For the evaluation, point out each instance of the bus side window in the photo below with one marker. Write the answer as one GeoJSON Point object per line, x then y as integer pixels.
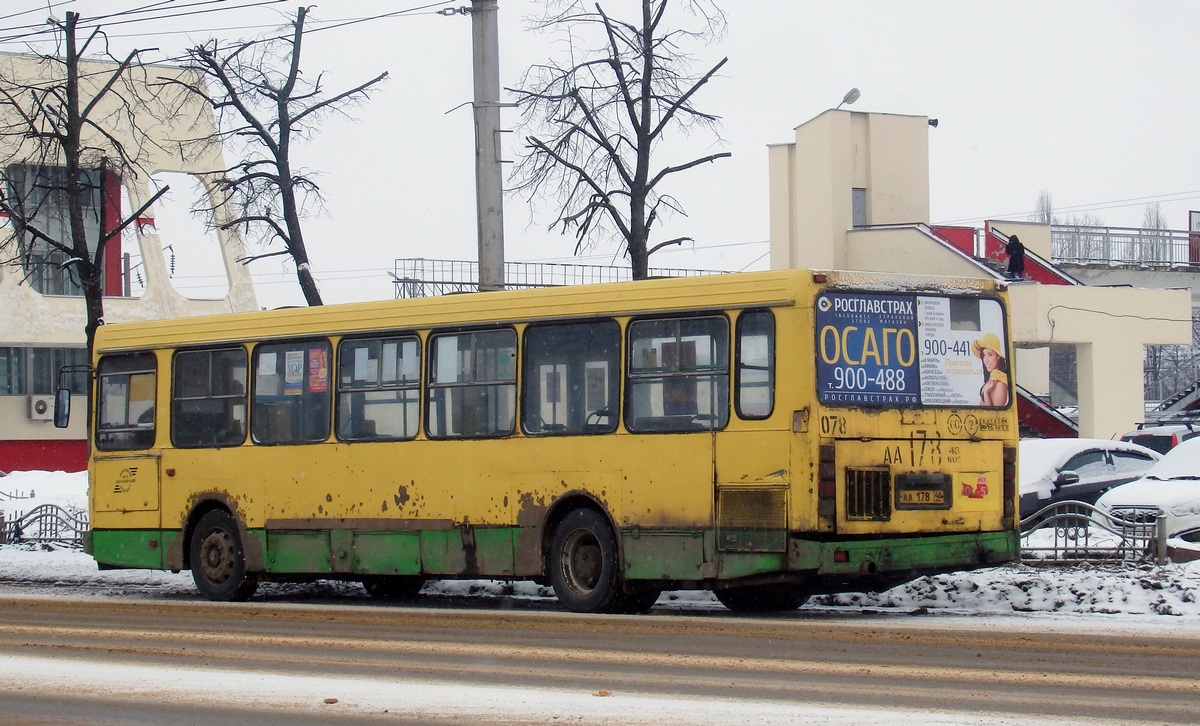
{"type": "Point", "coordinates": [678, 372]}
{"type": "Point", "coordinates": [291, 393]}
{"type": "Point", "coordinates": [379, 382]}
{"type": "Point", "coordinates": [569, 383]}
{"type": "Point", "coordinates": [208, 398]}
{"type": "Point", "coordinates": [472, 384]}
{"type": "Point", "coordinates": [755, 364]}
{"type": "Point", "coordinates": [125, 409]}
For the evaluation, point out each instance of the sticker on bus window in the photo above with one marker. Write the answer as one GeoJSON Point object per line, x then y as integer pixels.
{"type": "Point", "coordinates": [887, 350]}
{"type": "Point", "coordinates": [293, 373]}
{"type": "Point", "coordinates": [318, 370]}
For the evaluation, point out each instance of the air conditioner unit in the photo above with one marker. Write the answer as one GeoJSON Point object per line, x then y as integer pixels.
{"type": "Point", "coordinates": [41, 408]}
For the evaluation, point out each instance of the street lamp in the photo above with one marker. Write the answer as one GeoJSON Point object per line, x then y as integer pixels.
{"type": "Point", "coordinates": [850, 97]}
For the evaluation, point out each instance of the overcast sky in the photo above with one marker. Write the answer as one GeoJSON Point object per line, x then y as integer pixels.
{"type": "Point", "coordinates": [1096, 102]}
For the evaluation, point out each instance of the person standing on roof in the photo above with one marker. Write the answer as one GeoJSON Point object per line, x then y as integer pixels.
{"type": "Point", "coordinates": [1016, 258]}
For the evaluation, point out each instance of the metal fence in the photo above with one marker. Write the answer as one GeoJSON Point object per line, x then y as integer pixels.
{"type": "Point", "coordinates": [48, 523]}
{"type": "Point", "coordinates": [420, 277]}
{"type": "Point", "coordinates": [1115, 245]}
{"type": "Point", "coordinates": [1077, 532]}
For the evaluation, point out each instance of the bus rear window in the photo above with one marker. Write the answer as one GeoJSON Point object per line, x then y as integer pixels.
{"type": "Point", "coordinates": [911, 350]}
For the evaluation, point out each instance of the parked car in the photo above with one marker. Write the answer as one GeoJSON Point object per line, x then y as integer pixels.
{"type": "Point", "coordinates": [1162, 437]}
{"type": "Point", "coordinates": [1055, 470]}
{"type": "Point", "coordinates": [1170, 488]}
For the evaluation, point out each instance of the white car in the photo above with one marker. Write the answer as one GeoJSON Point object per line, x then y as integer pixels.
{"type": "Point", "coordinates": [1170, 488]}
{"type": "Point", "coordinates": [1055, 470]}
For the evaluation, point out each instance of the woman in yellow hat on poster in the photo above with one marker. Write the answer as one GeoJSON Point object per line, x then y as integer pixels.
{"type": "Point", "coordinates": [994, 391]}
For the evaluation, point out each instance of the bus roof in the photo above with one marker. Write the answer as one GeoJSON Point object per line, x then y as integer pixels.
{"type": "Point", "coordinates": [749, 289]}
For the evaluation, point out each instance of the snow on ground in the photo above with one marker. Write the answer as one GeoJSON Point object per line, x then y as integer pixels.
{"type": "Point", "coordinates": [1080, 600]}
{"type": "Point", "coordinates": [1140, 593]}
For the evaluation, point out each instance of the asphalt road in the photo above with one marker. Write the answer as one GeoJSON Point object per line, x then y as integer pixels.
{"type": "Point", "coordinates": [111, 661]}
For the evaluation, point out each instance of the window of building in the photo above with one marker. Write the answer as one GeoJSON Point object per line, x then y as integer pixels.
{"type": "Point", "coordinates": [472, 384]}
{"type": "Point", "coordinates": [571, 378]}
{"type": "Point", "coordinates": [35, 370]}
{"type": "Point", "coordinates": [208, 398]}
{"type": "Point", "coordinates": [39, 195]}
{"type": "Point", "coordinates": [755, 364]}
{"type": "Point", "coordinates": [12, 371]}
{"type": "Point", "coordinates": [379, 382]}
{"type": "Point", "coordinates": [125, 406]}
{"type": "Point", "coordinates": [678, 374]}
{"type": "Point", "coordinates": [858, 207]}
{"type": "Point", "coordinates": [45, 363]}
{"type": "Point", "coordinates": [291, 393]}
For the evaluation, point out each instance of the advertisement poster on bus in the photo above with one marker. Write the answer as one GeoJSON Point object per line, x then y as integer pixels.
{"type": "Point", "coordinates": [898, 350]}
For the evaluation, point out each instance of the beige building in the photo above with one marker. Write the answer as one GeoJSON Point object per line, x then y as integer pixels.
{"type": "Point", "coordinates": [41, 312]}
{"type": "Point", "coordinates": [852, 192]}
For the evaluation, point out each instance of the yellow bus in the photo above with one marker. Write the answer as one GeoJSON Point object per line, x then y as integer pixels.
{"type": "Point", "coordinates": [766, 436]}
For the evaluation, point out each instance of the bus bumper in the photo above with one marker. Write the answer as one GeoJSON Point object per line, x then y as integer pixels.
{"type": "Point", "coordinates": [901, 555]}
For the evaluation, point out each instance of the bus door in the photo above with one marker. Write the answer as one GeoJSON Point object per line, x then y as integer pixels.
{"type": "Point", "coordinates": [125, 475]}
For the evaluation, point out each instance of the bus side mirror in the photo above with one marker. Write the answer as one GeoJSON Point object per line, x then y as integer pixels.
{"type": "Point", "coordinates": [62, 407]}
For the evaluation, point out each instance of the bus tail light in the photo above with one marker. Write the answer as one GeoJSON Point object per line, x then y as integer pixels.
{"type": "Point", "coordinates": [826, 481]}
{"type": "Point", "coordinates": [1010, 481]}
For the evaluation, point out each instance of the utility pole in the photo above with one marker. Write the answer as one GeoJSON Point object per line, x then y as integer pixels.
{"type": "Point", "coordinates": [489, 177]}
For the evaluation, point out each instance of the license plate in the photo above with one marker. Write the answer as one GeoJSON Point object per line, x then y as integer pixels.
{"type": "Point", "coordinates": [922, 496]}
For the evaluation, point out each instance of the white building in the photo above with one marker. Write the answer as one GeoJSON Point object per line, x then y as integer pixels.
{"type": "Point", "coordinates": [41, 313]}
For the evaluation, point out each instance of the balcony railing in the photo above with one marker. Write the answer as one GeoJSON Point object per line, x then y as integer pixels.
{"type": "Point", "coordinates": [1124, 245]}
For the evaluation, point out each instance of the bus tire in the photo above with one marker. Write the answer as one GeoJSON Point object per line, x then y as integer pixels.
{"type": "Point", "coordinates": [218, 560]}
{"type": "Point", "coordinates": [583, 563]}
{"type": "Point", "coordinates": [762, 598]}
{"type": "Point", "coordinates": [393, 587]}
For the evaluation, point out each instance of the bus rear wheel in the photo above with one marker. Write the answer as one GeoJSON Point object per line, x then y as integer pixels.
{"type": "Point", "coordinates": [218, 561]}
{"type": "Point", "coordinates": [393, 587]}
{"type": "Point", "coordinates": [583, 563]}
{"type": "Point", "coordinates": [762, 598]}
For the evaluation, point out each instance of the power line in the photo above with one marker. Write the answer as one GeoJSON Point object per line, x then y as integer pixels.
{"type": "Point", "coordinates": [35, 10]}
{"type": "Point", "coordinates": [94, 23]}
{"type": "Point", "coordinates": [1092, 206]}
{"type": "Point", "coordinates": [317, 26]}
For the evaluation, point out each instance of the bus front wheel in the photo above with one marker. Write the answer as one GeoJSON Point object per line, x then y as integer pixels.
{"type": "Point", "coordinates": [583, 563]}
{"type": "Point", "coordinates": [762, 598]}
{"type": "Point", "coordinates": [218, 561]}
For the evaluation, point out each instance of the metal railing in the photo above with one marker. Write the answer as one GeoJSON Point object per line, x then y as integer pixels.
{"type": "Point", "coordinates": [1078, 532]}
{"type": "Point", "coordinates": [48, 523]}
{"type": "Point", "coordinates": [419, 277]}
{"type": "Point", "coordinates": [1131, 245]}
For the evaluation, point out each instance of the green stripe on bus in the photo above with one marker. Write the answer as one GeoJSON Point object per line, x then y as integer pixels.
{"type": "Point", "coordinates": [928, 552]}
{"type": "Point", "coordinates": [130, 548]}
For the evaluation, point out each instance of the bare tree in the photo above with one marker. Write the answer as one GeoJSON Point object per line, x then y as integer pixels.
{"type": "Point", "coordinates": [264, 103]}
{"type": "Point", "coordinates": [606, 112]}
{"type": "Point", "coordinates": [1153, 217]}
{"type": "Point", "coordinates": [61, 140]}
{"type": "Point", "coordinates": [1043, 210]}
